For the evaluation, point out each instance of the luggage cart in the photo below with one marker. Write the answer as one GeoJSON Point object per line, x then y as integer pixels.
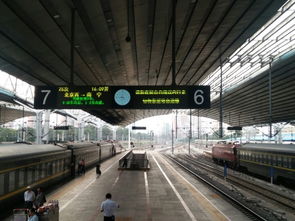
{"type": "Point", "coordinates": [50, 215]}
{"type": "Point", "coordinates": [51, 212]}
{"type": "Point", "coordinates": [20, 215]}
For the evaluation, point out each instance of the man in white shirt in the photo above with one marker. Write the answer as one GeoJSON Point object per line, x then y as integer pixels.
{"type": "Point", "coordinates": [108, 207]}
{"type": "Point", "coordinates": [29, 197]}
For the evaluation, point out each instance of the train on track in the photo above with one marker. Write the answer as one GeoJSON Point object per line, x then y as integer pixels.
{"type": "Point", "coordinates": [23, 165]}
{"type": "Point", "coordinates": [266, 160]}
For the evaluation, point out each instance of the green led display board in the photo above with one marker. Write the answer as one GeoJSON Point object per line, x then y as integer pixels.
{"type": "Point", "coordinates": [61, 127]}
{"type": "Point", "coordinates": [235, 128]}
{"type": "Point", "coordinates": [138, 128]}
{"type": "Point", "coordinates": [122, 97]}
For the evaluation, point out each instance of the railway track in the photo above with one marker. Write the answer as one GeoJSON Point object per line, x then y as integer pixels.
{"type": "Point", "coordinates": [254, 213]}
{"type": "Point", "coordinates": [284, 200]}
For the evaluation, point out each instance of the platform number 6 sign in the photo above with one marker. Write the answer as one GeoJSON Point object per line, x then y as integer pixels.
{"type": "Point", "coordinates": [198, 97]}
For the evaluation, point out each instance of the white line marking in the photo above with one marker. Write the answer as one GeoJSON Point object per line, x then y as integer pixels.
{"type": "Point", "coordinates": [72, 199]}
{"type": "Point", "coordinates": [147, 194]}
{"type": "Point", "coordinates": [196, 190]}
{"type": "Point", "coordinates": [115, 182]}
{"type": "Point", "coordinates": [146, 183]}
{"type": "Point", "coordinates": [189, 212]}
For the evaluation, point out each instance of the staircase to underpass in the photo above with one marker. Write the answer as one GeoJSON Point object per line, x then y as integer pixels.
{"type": "Point", "coordinates": [134, 161]}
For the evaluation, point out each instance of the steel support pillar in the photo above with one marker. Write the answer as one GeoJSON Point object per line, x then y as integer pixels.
{"type": "Point", "coordinates": [220, 103]}
{"type": "Point", "coordinates": [190, 131]}
{"type": "Point", "coordinates": [39, 127]}
{"type": "Point", "coordinates": [46, 126]}
{"type": "Point", "coordinates": [129, 135]}
{"type": "Point", "coordinates": [199, 125]}
{"type": "Point", "coordinates": [72, 45]}
{"type": "Point", "coordinates": [172, 135]}
{"type": "Point", "coordinates": [114, 133]}
{"type": "Point", "coordinates": [270, 101]}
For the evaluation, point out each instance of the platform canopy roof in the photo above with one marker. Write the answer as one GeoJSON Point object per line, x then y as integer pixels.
{"type": "Point", "coordinates": [10, 107]}
{"type": "Point", "coordinates": [118, 42]}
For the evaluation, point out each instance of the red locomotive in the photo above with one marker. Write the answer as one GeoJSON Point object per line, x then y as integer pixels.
{"type": "Point", "coordinates": [225, 152]}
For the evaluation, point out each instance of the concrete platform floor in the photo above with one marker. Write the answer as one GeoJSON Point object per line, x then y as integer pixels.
{"type": "Point", "coordinates": [163, 193]}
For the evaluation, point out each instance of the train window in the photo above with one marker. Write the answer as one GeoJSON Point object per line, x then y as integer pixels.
{"type": "Point", "coordinates": [63, 163]}
{"type": "Point", "coordinates": [60, 165]}
{"type": "Point", "coordinates": [43, 168]}
{"type": "Point", "coordinates": [1, 184]}
{"type": "Point", "coordinates": [36, 172]}
{"type": "Point", "coordinates": [279, 161]}
{"type": "Point", "coordinates": [290, 162]}
{"type": "Point", "coordinates": [53, 167]}
{"type": "Point", "coordinates": [47, 172]}
{"type": "Point", "coordinates": [49, 169]}
{"type": "Point", "coordinates": [285, 162]}
{"type": "Point", "coordinates": [30, 175]}
{"type": "Point", "coordinates": [21, 177]}
{"type": "Point", "coordinates": [275, 160]}
{"type": "Point", "coordinates": [42, 171]}
{"type": "Point", "coordinates": [33, 169]}
{"type": "Point", "coordinates": [11, 185]}
{"type": "Point", "coordinates": [57, 166]}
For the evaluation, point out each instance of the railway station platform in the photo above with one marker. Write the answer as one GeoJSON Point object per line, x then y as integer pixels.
{"type": "Point", "coordinates": [161, 193]}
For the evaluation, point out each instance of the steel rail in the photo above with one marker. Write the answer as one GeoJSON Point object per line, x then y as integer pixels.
{"type": "Point", "coordinates": [248, 211]}
{"type": "Point", "coordinates": [279, 198]}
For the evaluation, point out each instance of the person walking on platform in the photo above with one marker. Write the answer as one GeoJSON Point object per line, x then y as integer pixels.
{"type": "Point", "coordinates": [29, 197]}
{"type": "Point", "coordinates": [108, 207]}
{"type": "Point", "coordinates": [98, 171]}
{"type": "Point", "coordinates": [83, 166]}
{"type": "Point", "coordinates": [32, 215]}
{"type": "Point", "coordinates": [125, 161]}
{"type": "Point", "coordinates": [40, 198]}
{"type": "Point", "coordinates": [80, 165]}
